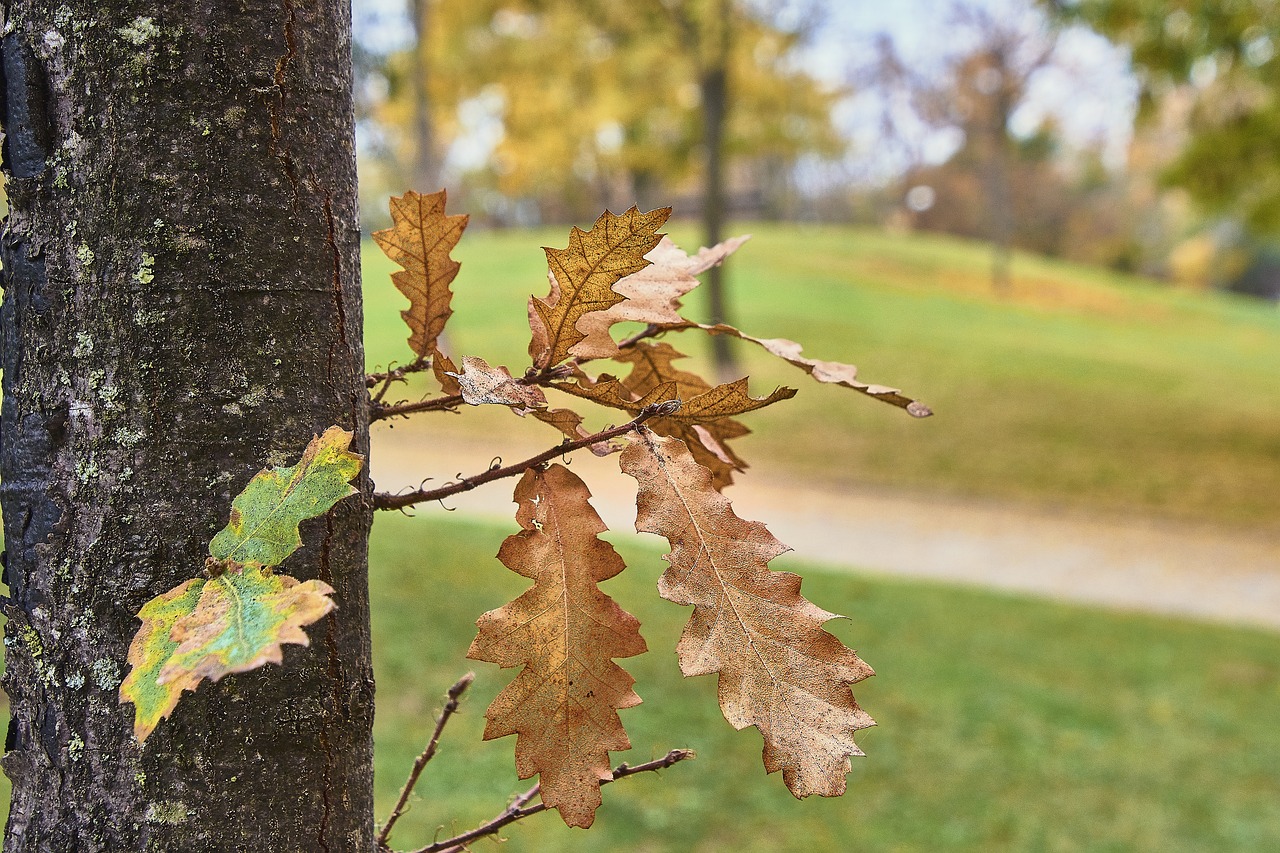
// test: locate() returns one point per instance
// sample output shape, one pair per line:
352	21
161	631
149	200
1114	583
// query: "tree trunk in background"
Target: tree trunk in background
181	307
714	88
1000	197
425	174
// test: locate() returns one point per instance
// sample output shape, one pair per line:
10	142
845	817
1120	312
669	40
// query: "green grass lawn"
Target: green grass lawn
1082	389
1004	723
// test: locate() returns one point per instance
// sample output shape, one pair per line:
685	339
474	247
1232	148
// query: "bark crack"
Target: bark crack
335	683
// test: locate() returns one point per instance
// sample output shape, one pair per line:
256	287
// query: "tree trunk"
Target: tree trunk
425	174
714	89
181	307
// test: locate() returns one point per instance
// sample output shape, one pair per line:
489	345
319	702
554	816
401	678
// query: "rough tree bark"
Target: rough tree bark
181	307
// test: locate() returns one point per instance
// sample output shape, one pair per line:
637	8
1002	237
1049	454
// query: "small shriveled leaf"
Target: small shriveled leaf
830	372
652	295
570	425
779	671
480	384
584	275
241	621
420	240
445	371
263	529
150	652
565	632
704	420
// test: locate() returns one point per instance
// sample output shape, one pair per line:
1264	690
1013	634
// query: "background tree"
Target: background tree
973	92
604	106
1222	57
181	305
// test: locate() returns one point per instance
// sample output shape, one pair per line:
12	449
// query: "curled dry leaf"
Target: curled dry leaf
830	372
445	372
652	295
420	239
779	671
480	384
583	276
565	632
570	425
704	420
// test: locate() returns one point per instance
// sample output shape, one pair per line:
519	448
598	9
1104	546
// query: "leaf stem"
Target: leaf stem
383	500
520	808
379	411
450	706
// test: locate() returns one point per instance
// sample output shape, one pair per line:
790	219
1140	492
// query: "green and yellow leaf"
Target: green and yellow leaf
263	529
150	652
241	622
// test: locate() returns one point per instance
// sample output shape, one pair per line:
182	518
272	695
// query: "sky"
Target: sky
1090	91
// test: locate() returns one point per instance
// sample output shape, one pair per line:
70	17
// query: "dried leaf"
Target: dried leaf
652	295
445	371
703	421
569	423
585	274
263	529
480	384
565	632
420	240
779	671
831	372
150	651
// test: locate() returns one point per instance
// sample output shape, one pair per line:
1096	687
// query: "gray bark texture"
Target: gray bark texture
181	307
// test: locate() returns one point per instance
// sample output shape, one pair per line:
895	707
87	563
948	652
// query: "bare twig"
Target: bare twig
371	380
545	377
450	706
383	500
378	411
520	808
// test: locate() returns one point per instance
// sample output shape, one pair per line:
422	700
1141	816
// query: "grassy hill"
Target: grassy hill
1082	389
1004	723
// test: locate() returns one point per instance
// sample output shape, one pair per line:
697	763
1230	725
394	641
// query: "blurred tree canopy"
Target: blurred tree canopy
588	103
1220	55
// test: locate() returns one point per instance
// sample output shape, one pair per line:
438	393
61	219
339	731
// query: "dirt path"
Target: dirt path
1133	564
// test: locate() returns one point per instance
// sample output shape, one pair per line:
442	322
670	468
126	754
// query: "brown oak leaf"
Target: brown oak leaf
652	295
481	384
704	420
420	239
584	275
565	632
829	372
779	671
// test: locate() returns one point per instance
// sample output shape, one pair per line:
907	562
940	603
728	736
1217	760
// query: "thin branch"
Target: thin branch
371	380
382	500
378	411
519	808
455	692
